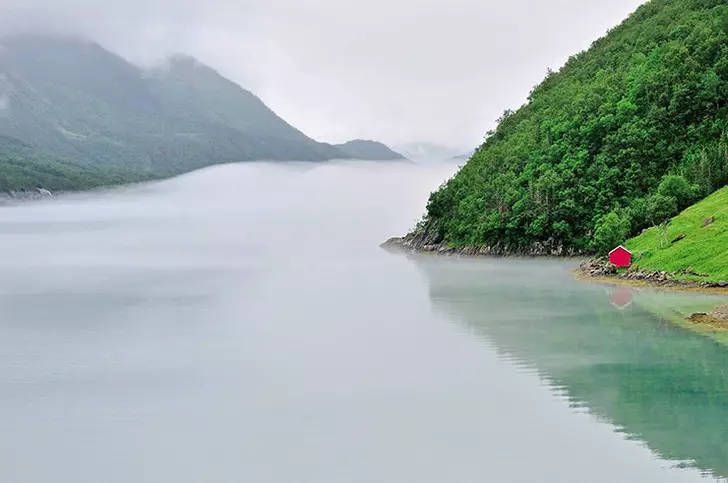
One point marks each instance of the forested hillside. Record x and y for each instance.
(82, 102)
(24, 168)
(584, 162)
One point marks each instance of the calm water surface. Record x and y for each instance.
(240, 324)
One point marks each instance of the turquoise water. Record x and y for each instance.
(657, 384)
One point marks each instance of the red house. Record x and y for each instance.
(620, 257)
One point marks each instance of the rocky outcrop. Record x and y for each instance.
(648, 276)
(720, 313)
(711, 320)
(598, 267)
(427, 242)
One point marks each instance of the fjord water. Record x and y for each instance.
(241, 324)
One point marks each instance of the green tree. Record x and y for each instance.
(638, 214)
(598, 136)
(660, 209)
(611, 231)
(678, 188)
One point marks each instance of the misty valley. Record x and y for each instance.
(275, 242)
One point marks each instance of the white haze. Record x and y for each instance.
(4, 94)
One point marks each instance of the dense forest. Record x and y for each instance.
(624, 136)
(23, 167)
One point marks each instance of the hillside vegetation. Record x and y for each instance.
(579, 165)
(24, 168)
(81, 102)
(703, 250)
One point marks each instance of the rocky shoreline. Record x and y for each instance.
(428, 244)
(601, 269)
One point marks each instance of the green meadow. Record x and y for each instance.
(703, 250)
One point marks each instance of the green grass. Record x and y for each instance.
(704, 250)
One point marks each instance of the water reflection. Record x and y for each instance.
(621, 297)
(657, 383)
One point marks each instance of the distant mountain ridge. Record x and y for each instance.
(369, 150)
(427, 151)
(77, 100)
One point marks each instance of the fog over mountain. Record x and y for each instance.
(395, 71)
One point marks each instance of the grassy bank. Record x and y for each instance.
(686, 245)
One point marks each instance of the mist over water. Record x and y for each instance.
(241, 324)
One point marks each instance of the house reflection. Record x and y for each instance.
(621, 297)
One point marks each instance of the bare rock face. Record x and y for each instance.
(708, 221)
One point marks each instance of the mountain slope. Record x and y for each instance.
(597, 137)
(368, 150)
(24, 168)
(198, 93)
(78, 100)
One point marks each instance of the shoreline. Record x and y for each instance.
(590, 269)
(418, 244)
(601, 270)
(670, 285)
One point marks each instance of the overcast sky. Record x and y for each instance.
(392, 70)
